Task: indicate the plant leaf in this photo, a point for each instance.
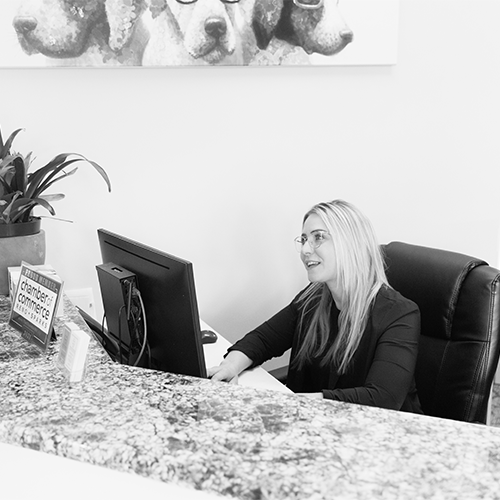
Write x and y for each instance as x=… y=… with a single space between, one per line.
x=45 y=170
x=56 y=218
x=7 y=161
x=6 y=212
x=12 y=173
x=48 y=182
x=39 y=180
x=52 y=197
x=103 y=173
x=23 y=206
x=5 y=148
x=27 y=161
x=3 y=187
x=6 y=174
x=29 y=187
x=44 y=204
x=19 y=180
x=61 y=159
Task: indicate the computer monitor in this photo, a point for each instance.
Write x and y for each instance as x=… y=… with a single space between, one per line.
x=166 y=285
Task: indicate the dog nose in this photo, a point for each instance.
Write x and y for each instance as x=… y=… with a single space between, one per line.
x=24 y=24
x=347 y=36
x=215 y=27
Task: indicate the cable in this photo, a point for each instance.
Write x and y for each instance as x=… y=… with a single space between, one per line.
x=144 y=322
x=102 y=322
x=129 y=299
x=122 y=308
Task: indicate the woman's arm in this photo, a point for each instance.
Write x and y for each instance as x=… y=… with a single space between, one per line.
x=271 y=339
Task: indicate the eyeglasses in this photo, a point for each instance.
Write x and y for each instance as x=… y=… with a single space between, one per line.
x=189 y=2
x=315 y=240
x=309 y=4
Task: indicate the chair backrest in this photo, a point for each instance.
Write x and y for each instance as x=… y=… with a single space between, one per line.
x=459 y=347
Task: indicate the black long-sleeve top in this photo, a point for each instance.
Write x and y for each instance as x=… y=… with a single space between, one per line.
x=381 y=372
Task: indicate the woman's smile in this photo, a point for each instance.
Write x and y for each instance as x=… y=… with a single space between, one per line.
x=310 y=264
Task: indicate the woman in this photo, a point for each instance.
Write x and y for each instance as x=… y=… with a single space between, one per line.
x=353 y=337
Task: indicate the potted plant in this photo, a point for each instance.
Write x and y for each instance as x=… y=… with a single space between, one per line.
x=21 y=236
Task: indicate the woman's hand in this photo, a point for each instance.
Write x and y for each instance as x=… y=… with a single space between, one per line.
x=225 y=372
x=234 y=363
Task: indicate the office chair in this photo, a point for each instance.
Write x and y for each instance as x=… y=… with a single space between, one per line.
x=459 y=301
x=459 y=347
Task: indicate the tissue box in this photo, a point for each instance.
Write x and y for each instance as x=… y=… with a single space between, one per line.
x=72 y=359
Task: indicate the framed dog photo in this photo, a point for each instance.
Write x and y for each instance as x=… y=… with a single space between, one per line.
x=168 y=33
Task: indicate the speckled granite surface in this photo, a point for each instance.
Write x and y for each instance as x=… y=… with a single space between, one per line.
x=236 y=441
x=495 y=405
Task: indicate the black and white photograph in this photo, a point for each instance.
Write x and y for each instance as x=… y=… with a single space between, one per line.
x=249 y=249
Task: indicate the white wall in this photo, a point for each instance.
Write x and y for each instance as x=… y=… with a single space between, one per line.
x=217 y=165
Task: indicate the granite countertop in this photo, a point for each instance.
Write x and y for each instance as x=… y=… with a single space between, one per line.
x=235 y=441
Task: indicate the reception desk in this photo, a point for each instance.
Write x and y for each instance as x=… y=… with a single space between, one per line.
x=174 y=434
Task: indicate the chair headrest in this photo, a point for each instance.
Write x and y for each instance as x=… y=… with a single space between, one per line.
x=430 y=277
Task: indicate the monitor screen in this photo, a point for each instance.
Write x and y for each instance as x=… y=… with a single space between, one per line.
x=167 y=292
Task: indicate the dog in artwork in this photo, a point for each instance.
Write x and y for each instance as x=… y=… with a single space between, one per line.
x=200 y=32
x=83 y=32
x=315 y=25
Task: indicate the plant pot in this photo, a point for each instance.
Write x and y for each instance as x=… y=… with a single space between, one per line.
x=16 y=249
x=21 y=228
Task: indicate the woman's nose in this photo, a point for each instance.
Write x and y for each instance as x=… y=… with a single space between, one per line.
x=307 y=249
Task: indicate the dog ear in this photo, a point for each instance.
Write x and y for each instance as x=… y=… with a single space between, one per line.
x=266 y=15
x=122 y=16
x=157 y=7
x=284 y=30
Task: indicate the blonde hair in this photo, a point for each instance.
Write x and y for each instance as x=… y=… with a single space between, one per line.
x=360 y=274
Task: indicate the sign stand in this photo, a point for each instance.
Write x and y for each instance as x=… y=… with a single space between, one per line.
x=34 y=305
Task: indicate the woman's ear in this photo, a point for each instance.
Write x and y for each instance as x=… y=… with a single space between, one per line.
x=266 y=15
x=122 y=16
